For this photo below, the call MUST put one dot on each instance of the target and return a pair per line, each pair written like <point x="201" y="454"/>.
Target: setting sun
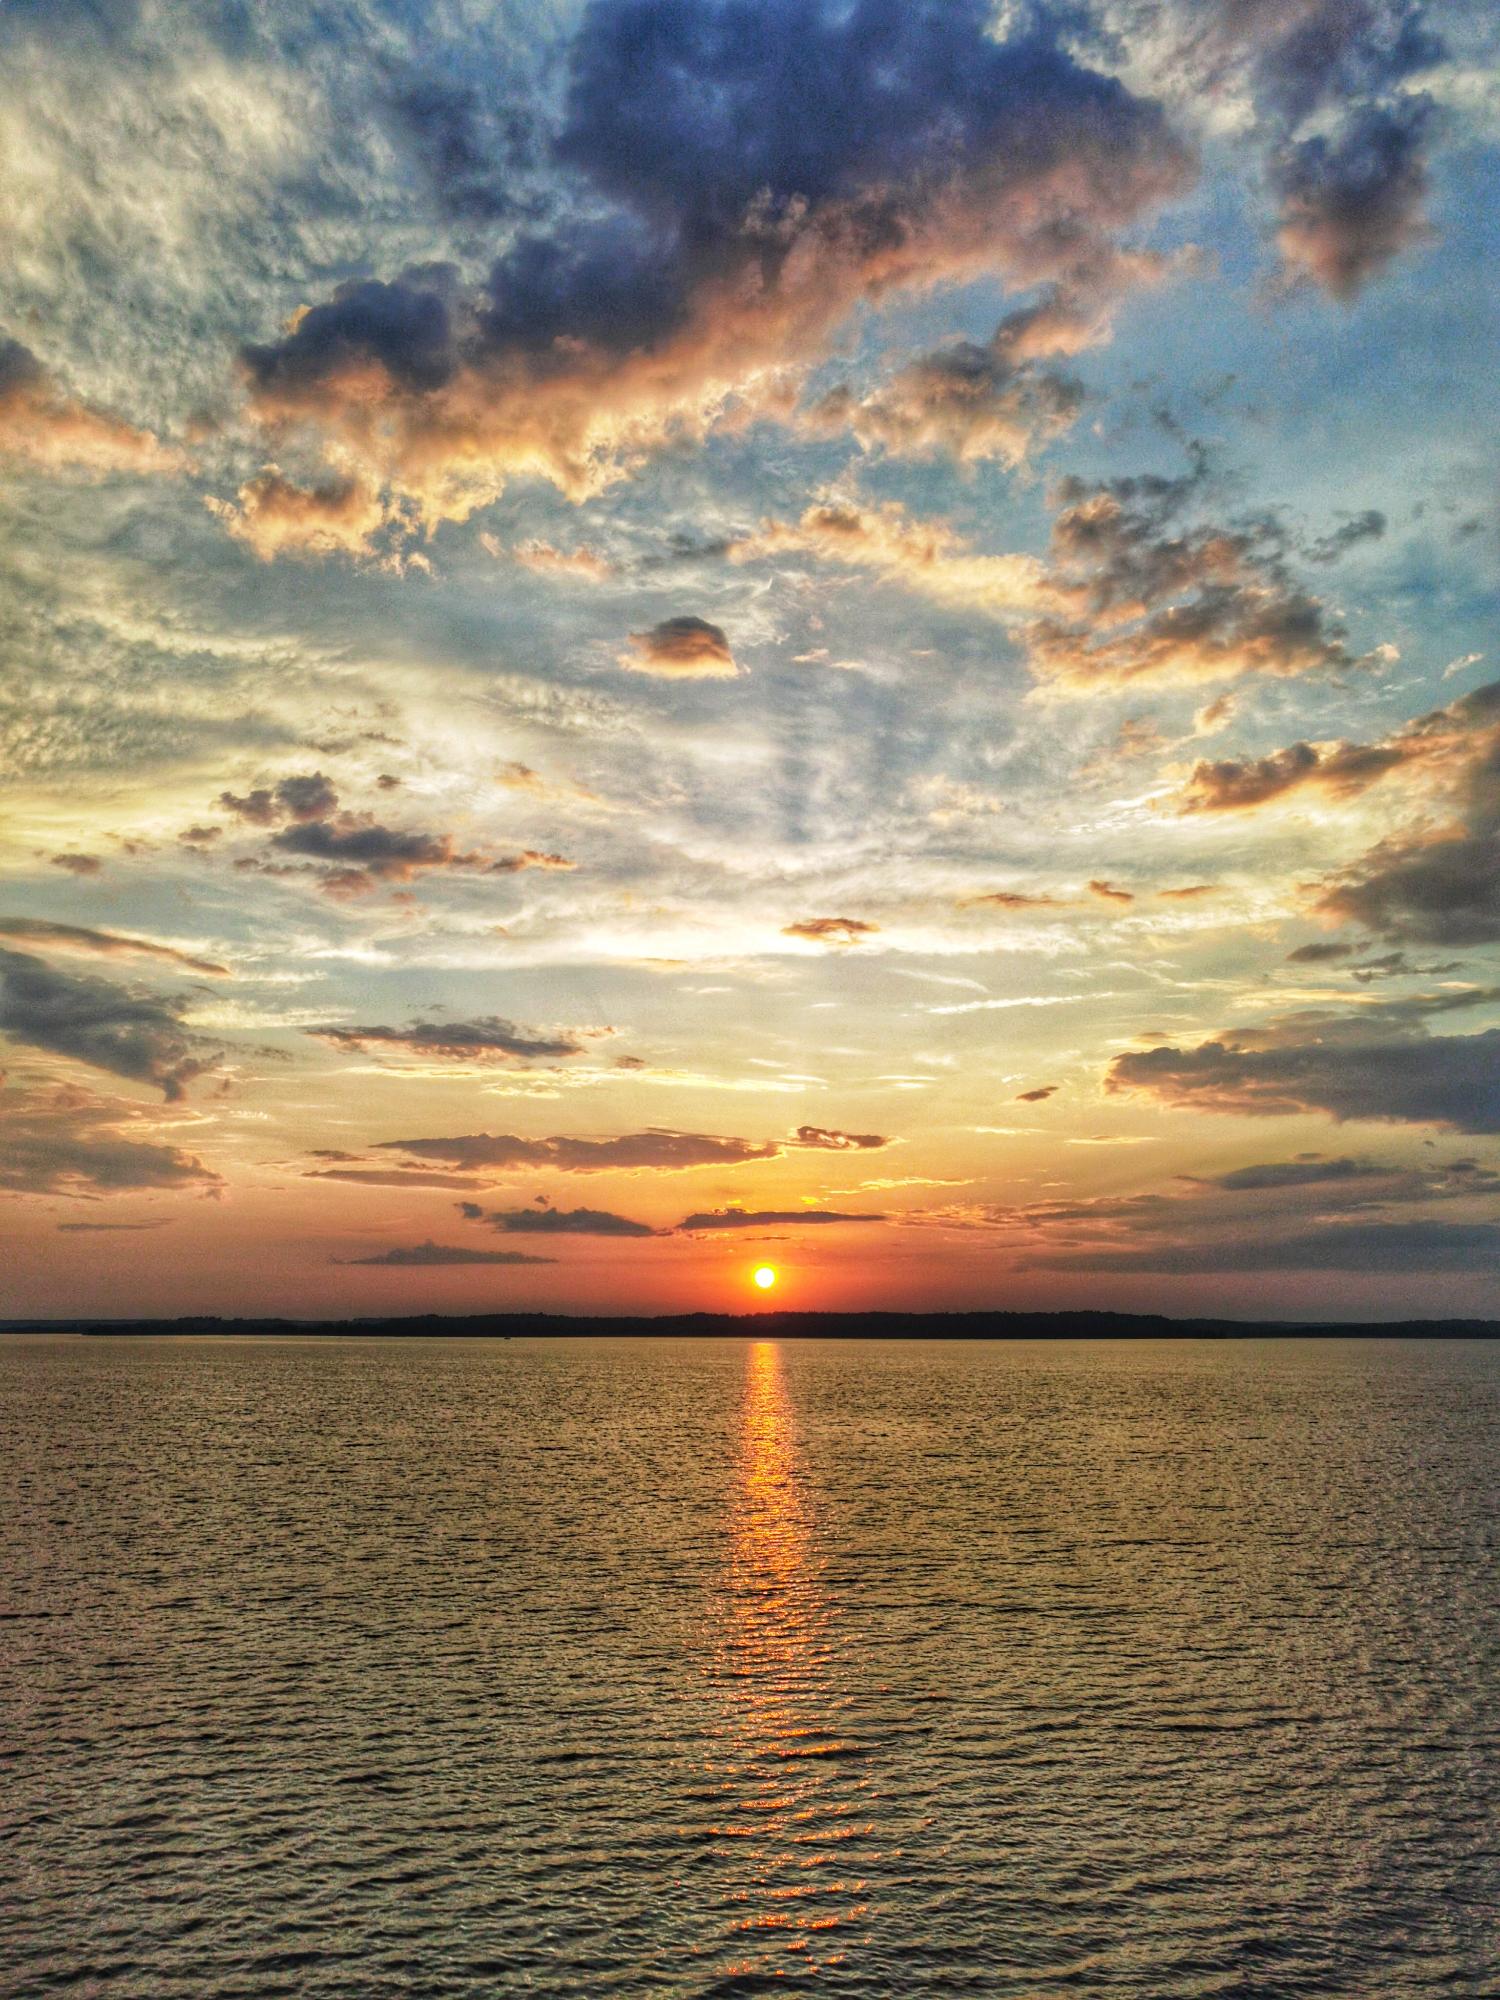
<point x="765" y="1277"/>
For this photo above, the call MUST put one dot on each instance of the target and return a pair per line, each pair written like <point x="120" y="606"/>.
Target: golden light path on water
<point x="796" y="1800"/>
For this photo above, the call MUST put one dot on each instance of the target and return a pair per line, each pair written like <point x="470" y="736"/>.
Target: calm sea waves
<point x="695" y="1668"/>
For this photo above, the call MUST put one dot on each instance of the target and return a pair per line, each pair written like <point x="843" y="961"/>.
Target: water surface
<point x="690" y="1668"/>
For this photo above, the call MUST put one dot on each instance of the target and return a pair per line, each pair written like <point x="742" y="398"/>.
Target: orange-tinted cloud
<point x="41" y="424"/>
<point x="275" y="516"/>
<point x="738" y="211"/>
<point x="830" y="930"/>
<point x="684" y="649"/>
<point x="41" y="933"/>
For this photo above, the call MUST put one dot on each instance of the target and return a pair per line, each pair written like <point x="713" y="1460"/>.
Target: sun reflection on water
<point x="794" y="1791"/>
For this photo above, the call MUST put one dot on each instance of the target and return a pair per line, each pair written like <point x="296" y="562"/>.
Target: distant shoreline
<point x="780" y="1325"/>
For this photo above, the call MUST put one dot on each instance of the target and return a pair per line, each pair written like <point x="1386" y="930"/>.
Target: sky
<point x="648" y="638"/>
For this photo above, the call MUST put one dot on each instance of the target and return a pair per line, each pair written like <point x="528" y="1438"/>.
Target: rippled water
<point x="695" y="1668"/>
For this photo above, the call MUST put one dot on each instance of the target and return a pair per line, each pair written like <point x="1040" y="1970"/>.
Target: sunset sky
<point x="657" y="637"/>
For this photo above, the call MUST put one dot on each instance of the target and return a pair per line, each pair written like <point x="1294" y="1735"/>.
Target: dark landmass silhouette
<point x="780" y="1325"/>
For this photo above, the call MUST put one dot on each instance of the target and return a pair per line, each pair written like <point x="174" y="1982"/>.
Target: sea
<point x="729" y="1667"/>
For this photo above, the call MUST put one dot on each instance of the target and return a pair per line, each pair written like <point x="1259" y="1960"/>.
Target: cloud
<point x="1013" y="899"/>
<point x="821" y="1139"/>
<point x="1294" y="1173"/>
<point x="275" y="516"/>
<point x="830" y="930"/>
<point x="925" y="556"/>
<point x="529" y="857"/>
<point x="109" y="1228"/>
<point x="1457" y="744"/>
<point x="480" y="1040"/>
<point x="303" y="798"/>
<point x="122" y="1029"/>
<point x="683" y="649"/>
<point x="765" y="1218"/>
<point x="1331" y="98"/>
<point x="1356" y="528"/>
<point x="70" y="1142"/>
<point x="1353" y="202"/>
<point x="969" y="402"/>
<point x="655" y="1150"/>
<point x="994" y="400"/>
<point x="1431" y="888"/>
<point x="1038" y="1096"/>
<point x="1419" y="1244"/>
<point x="42" y="425"/>
<point x="42" y="933"/>
<point x="79" y="864"/>
<point x="1319" y="954"/>
<point x="545" y="560"/>
<point x="365" y="854"/>
<point x="424" y="1256"/>
<point x="737" y="192"/>
<point x="1235" y="784"/>
<point x="1395" y="1077"/>
<point x="544" y="1220"/>
<point x="1107" y="892"/>
<point x="1148" y="596"/>
<point x="1434" y="884"/>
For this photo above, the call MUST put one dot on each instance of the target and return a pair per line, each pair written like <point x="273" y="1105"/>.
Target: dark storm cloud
<point x="69" y="1142"/>
<point x="456" y="1041"/>
<point x="1450" y="1080"/>
<point x="122" y="1029"/>
<point x="424" y="1256"/>
<point x="42" y="933"/>
<point x="745" y="175"/>
<point x="657" y="1150"/>
<point x="766" y="1218"/>
<point x="544" y="1220"/>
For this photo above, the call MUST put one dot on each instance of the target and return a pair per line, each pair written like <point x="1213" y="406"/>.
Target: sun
<point x="765" y="1277"/>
